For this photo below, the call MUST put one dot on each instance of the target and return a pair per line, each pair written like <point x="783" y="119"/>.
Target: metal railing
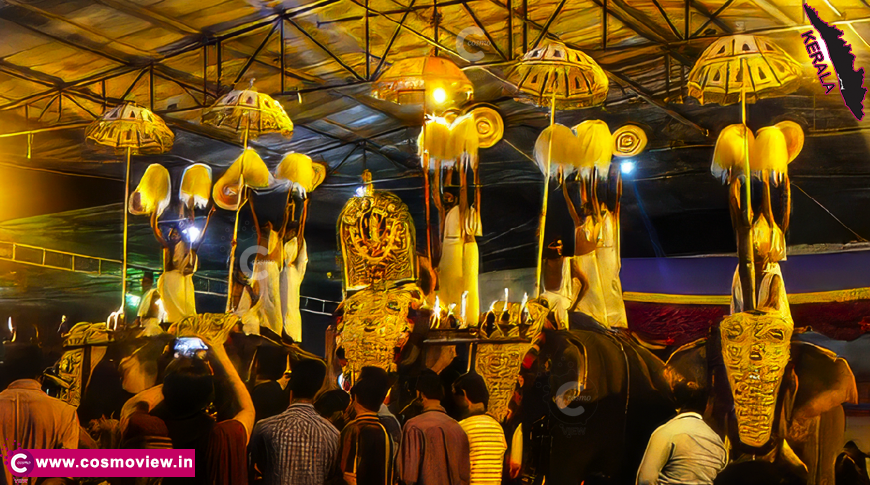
<point x="96" y="266"/>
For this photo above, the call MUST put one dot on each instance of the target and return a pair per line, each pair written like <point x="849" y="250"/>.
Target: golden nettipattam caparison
<point x="507" y="332"/>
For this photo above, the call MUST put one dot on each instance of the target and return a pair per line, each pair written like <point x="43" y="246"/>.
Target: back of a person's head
<point x="331" y="402"/>
<point x="688" y="396"/>
<point x="372" y="387"/>
<point x="271" y="362"/>
<point x="23" y="362"/>
<point x="307" y="378"/>
<point x="188" y="386"/>
<point x="474" y="388"/>
<point x="429" y="385"/>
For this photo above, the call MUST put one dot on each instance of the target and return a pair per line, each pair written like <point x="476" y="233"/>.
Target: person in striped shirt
<point x="485" y="435"/>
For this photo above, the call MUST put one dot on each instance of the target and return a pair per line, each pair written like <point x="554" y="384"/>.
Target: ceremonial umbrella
<point x="740" y="69"/>
<point x="429" y="81"/>
<point x="135" y="130"/>
<point x="250" y="114"/>
<point x="556" y="76"/>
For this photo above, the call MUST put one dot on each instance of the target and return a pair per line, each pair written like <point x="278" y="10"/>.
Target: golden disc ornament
<point x="554" y="74"/>
<point x="717" y="76"/>
<point x="629" y="141"/>
<point x="490" y="125"/>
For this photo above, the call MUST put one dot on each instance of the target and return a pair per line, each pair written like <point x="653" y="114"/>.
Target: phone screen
<point x="189" y="346"/>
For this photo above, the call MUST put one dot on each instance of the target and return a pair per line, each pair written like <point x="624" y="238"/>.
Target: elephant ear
<point x="825" y="380"/>
<point x="688" y="364"/>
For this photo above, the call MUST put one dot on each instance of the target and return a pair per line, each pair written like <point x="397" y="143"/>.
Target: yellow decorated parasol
<point x="248" y="113"/>
<point x="743" y="68"/>
<point x="556" y="76"/>
<point x="135" y="130"/>
<point x="427" y="80"/>
<point x="576" y="80"/>
<point x="718" y="75"/>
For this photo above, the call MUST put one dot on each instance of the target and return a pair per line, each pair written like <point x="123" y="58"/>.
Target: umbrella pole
<point x="426" y="195"/>
<point x="544" y="206"/>
<point x="124" y="258"/>
<point x="235" y="241"/>
<point x="747" y="276"/>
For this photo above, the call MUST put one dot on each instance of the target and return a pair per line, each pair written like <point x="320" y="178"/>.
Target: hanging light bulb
<point x="439" y="95"/>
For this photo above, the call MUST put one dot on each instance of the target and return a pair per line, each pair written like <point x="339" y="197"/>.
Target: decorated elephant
<point x="776" y="399"/>
<point x="590" y="400"/>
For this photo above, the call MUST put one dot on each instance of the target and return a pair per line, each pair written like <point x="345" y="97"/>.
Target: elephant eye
<point x="777" y="334"/>
<point x="733" y="331"/>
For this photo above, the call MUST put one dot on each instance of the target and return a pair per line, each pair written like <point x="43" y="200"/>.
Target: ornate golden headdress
<point x="376" y="236"/>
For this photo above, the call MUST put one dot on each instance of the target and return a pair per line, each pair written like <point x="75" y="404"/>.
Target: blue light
<point x="627" y="167"/>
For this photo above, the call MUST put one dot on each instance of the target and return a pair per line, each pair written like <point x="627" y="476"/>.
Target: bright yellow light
<point x="439" y="95"/>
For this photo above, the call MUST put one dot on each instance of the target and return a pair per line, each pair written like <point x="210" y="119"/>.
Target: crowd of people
<point x="290" y="427"/>
<point x="285" y="426"/>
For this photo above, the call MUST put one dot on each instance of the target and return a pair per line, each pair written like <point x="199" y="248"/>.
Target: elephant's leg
<point x="832" y="429"/>
<point x="817" y="441"/>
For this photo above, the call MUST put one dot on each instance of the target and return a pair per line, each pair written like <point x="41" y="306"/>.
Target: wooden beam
<point x="545" y="29"/>
<point x="326" y="49"/>
<point x="774" y="11"/>
<point x="128" y="49"/>
<point x="256" y="53"/>
<point x="715" y="16"/>
<point x="392" y="39"/>
<point x="480" y="26"/>
<point x="667" y="19"/>
<point x="417" y="33"/>
<point x="706" y="13"/>
<point x="642" y="93"/>
<point x="134" y="10"/>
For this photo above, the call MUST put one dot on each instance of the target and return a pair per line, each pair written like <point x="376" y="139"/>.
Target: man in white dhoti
<point x="459" y="266"/>
<point x="175" y="285"/>
<point x="561" y="290"/>
<point x="293" y="270"/>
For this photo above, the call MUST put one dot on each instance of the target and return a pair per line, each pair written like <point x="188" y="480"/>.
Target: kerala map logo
<point x="827" y="37"/>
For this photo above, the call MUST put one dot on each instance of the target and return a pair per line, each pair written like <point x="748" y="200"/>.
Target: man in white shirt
<point x="685" y="450"/>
